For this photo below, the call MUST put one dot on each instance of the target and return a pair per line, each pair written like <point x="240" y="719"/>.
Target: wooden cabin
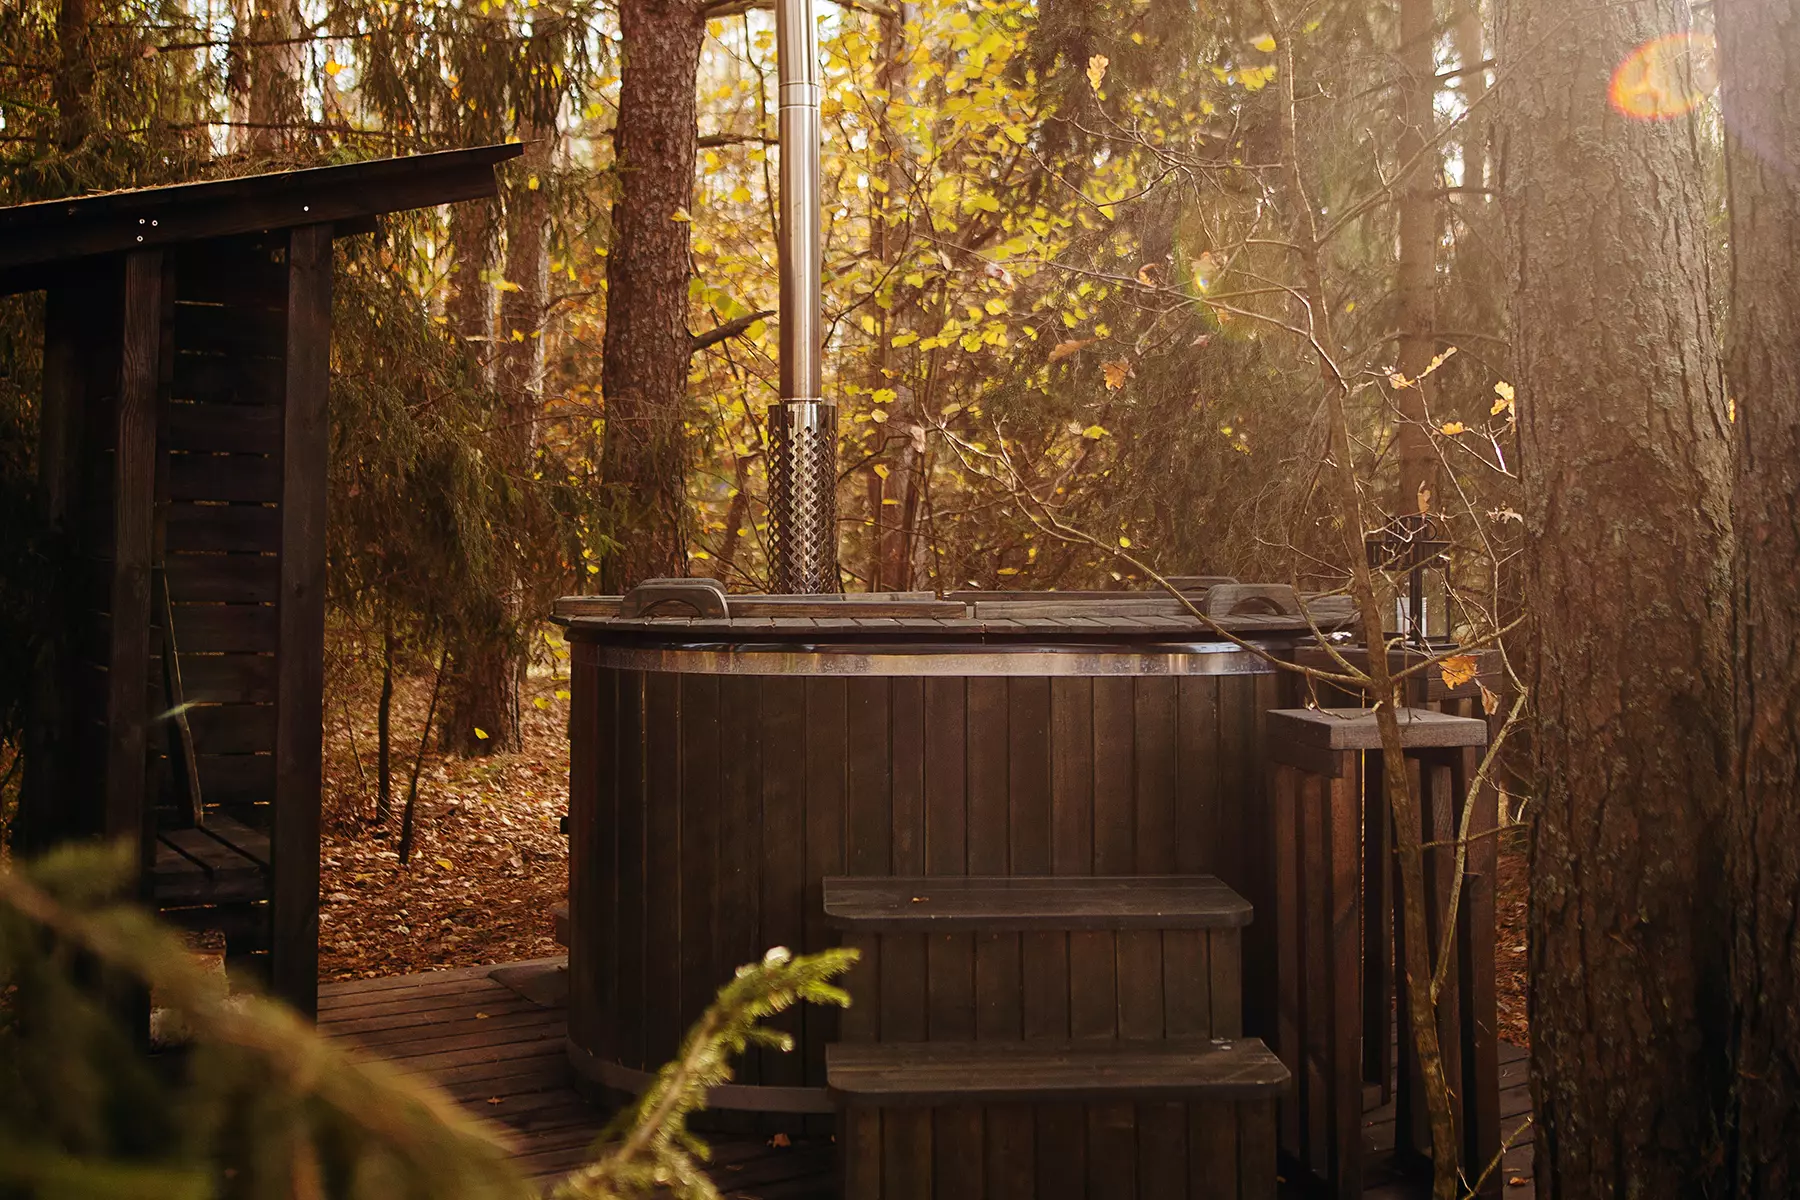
<point x="183" y="469"/>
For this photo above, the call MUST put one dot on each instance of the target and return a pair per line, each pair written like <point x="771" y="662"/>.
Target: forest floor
<point x="491" y="862"/>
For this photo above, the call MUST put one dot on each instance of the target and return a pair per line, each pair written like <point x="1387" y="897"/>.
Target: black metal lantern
<point x="1412" y="543"/>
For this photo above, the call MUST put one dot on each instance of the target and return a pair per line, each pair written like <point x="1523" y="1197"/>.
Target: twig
<point x="412" y="788"/>
<point x="1462" y="844"/>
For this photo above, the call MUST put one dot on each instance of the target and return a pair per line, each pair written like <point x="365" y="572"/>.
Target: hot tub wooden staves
<point x="723" y="767"/>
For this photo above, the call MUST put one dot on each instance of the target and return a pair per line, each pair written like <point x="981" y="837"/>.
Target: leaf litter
<point x="489" y="863"/>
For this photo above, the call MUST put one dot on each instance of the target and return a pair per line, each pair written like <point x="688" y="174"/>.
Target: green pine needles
<point x="257" y="1105"/>
<point x="648" y="1146"/>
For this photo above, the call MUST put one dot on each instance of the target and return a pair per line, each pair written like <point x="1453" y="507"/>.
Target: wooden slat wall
<point x="707" y="809"/>
<point x="226" y="425"/>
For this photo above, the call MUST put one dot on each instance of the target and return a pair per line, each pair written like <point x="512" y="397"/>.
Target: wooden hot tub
<point x="722" y="767"/>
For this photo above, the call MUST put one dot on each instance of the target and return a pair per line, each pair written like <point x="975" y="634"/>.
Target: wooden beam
<point x="300" y="653"/>
<point x="134" y="520"/>
<point x="122" y="221"/>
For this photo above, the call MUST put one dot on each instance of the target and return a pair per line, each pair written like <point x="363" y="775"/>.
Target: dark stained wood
<point x="1213" y="1150"/>
<point x="523" y="1084"/>
<point x="239" y="338"/>
<point x="300" y="649"/>
<point x="740" y="798"/>
<point x="1155" y="798"/>
<point x="702" y="975"/>
<point x="591" y="873"/>
<point x="1072" y="776"/>
<point x="1312" y="1080"/>
<point x="956" y="1131"/>
<point x="227" y="628"/>
<point x="1225" y="958"/>
<point x="826" y="759"/>
<point x="1285" y="795"/>
<point x="531" y="1076"/>
<point x="1478" y="1039"/>
<point x="1256" y="1150"/>
<point x="662" y="880"/>
<point x="223" y="578"/>
<point x="1028" y="775"/>
<point x="234" y="728"/>
<point x="1343" y="851"/>
<point x="988" y="822"/>
<point x="868" y="778"/>
<point x="1378" y="942"/>
<point x="1355" y="729"/>
<point x="227" y="374"/>
<point x="1187" y="1008"/>
<point x="1115" y="839"/>
<point x="946" y="783"/>
<point x="220" y="678"/>
<point x="253" y="844"/>
<point x="134" y="498"/>
<point x="176" y="878"/>
<point x="225" y="867"/>
<point x="1003" y="903"/>
<point x="1080" y="1070"/>
<point x="784" y="777"/>
<point x="237" y="779"/>
<point x="32" y="234"/>
<point x="225" y="428"/>
<point x="1198" y="830"/>
<point x="227" y="527"/>
<point x="986" y="775"/>
<point x="906" y="780"/>
<point x="251" y="477"/>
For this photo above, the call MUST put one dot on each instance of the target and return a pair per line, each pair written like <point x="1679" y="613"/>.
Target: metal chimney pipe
<point x="803" y="426"/>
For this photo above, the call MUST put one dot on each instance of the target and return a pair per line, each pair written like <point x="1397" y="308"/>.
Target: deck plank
<point x="510" y="1069"/>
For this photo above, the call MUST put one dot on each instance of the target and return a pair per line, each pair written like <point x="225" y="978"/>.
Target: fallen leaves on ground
<point x="489" y="861"/>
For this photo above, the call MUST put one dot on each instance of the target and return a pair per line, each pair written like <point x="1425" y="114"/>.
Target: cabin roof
<point x="50" y="232"/>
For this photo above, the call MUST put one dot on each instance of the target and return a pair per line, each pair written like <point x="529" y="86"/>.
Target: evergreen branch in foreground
<point x="648" y="1146"/>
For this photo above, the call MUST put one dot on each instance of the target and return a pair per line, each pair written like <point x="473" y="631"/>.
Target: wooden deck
<point x="498" y="1050"/>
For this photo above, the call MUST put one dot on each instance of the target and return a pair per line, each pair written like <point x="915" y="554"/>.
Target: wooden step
<point x="941" y="1073"/>
<point x="227" y="862"/>
<point x="1085" y="1120"/>
<point x="1018" y="904"/>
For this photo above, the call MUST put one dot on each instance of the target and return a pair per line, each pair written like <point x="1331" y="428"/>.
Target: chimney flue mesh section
<point x="803" y="497"/>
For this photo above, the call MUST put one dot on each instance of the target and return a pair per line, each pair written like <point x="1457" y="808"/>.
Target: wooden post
<point x="45" y="804"/>
<point x="300" y="653"/>
<point x="134" y="513"/>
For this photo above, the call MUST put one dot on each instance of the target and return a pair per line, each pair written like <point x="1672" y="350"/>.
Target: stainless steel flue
<point x="803" y="426"/>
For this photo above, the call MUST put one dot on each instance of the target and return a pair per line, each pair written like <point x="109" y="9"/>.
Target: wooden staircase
<point x="1075" y="1036"/>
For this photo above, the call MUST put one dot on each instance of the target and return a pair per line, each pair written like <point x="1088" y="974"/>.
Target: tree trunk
<point x="1471" y="49"/>
<point x="1416" y="281"/>
<point x="890" y="230"/>
<point x="482" y="707"/>
<point x="519" y="356"/>
<point x="275" y="57"/>
<point x="1625" y="473"/>
<point x="470" y="307"/>
<point x="73" y="88"/>
<point x="485" y="693"/>
<point x="1760" y="47"/>
<point x="645" y="359"/>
